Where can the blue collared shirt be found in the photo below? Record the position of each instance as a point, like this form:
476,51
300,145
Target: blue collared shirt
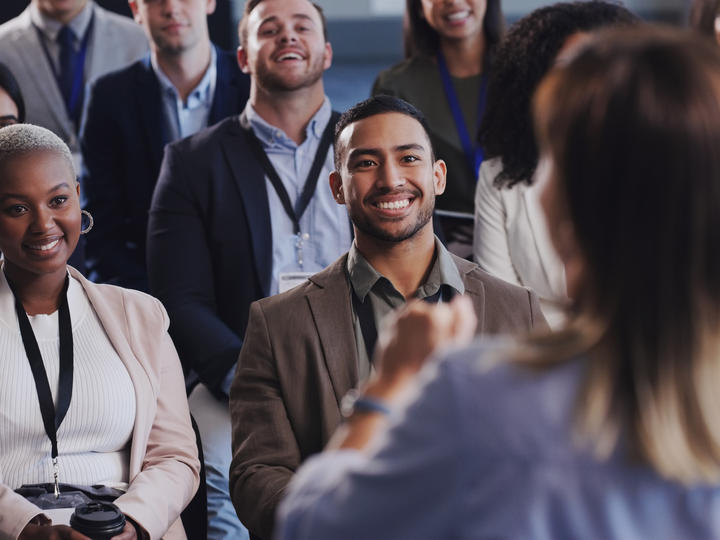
185,119
324,225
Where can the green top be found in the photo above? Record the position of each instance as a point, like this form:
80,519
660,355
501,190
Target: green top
384,297
417,81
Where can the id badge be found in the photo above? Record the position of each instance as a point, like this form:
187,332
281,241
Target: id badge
288,280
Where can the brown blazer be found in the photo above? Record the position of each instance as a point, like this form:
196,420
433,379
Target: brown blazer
299,359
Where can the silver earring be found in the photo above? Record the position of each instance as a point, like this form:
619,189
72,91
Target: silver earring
89,227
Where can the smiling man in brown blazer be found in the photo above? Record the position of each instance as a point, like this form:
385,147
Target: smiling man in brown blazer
306,348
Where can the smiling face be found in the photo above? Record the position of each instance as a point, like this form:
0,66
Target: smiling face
285,48
173,26
39,213
455,19
387,177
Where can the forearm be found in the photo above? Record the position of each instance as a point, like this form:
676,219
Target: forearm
16,512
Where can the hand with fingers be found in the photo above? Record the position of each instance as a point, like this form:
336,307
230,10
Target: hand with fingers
415,333
50,532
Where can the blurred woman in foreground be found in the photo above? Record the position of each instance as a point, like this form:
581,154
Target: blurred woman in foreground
609,428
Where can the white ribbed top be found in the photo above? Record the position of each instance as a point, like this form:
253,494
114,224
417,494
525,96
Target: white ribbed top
94,438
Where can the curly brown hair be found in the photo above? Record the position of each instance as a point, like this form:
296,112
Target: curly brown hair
524,56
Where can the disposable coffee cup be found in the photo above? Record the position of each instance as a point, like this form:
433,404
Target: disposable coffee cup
98,520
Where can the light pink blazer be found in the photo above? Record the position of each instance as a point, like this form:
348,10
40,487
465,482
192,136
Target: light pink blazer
164,467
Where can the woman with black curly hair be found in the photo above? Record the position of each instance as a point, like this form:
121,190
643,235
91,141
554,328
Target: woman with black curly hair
448,47
510,240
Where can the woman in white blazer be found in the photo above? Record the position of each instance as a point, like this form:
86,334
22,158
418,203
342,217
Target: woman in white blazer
510,238
127,424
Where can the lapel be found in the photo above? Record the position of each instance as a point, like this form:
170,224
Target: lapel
96,62
150,107
474,289
107,307
332,316
249,177
552,268
226,98
31,50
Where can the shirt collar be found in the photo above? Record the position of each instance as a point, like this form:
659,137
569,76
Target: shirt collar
269,135
363,276
202,94
50,27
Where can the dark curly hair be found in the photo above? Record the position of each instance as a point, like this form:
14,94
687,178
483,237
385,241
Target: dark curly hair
525,55
421,38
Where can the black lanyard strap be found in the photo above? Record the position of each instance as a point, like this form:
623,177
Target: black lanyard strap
295,213
366,317
52,416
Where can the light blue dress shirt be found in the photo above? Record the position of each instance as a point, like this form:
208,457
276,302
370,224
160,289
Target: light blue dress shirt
183,119
324,225
487,452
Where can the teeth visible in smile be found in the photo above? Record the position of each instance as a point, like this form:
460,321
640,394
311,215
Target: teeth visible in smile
394,205
44,247
290,56
458,16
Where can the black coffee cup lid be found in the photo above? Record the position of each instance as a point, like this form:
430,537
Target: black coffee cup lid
97,518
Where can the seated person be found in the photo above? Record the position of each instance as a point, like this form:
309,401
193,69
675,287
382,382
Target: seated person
306,348
510,239
118,395
608,429
449,50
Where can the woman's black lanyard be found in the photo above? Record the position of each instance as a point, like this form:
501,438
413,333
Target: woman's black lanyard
52,416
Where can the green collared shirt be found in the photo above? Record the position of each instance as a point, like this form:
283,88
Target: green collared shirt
384,297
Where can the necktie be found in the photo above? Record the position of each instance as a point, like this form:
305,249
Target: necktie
65,40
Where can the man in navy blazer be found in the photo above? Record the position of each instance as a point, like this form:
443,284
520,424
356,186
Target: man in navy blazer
184,85
219,236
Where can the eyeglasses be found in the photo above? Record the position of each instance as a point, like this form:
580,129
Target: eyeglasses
8,120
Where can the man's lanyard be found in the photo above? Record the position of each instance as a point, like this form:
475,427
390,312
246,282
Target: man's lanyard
78,69
295,213
52,417
473,152
366,317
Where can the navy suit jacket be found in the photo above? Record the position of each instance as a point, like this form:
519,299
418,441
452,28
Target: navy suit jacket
122,141
210,245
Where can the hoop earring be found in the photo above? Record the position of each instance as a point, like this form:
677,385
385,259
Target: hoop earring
90,224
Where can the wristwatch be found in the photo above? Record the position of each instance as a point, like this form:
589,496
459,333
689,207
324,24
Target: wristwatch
354,401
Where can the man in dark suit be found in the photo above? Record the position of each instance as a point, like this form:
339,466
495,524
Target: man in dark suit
305,349
242,211
184,85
